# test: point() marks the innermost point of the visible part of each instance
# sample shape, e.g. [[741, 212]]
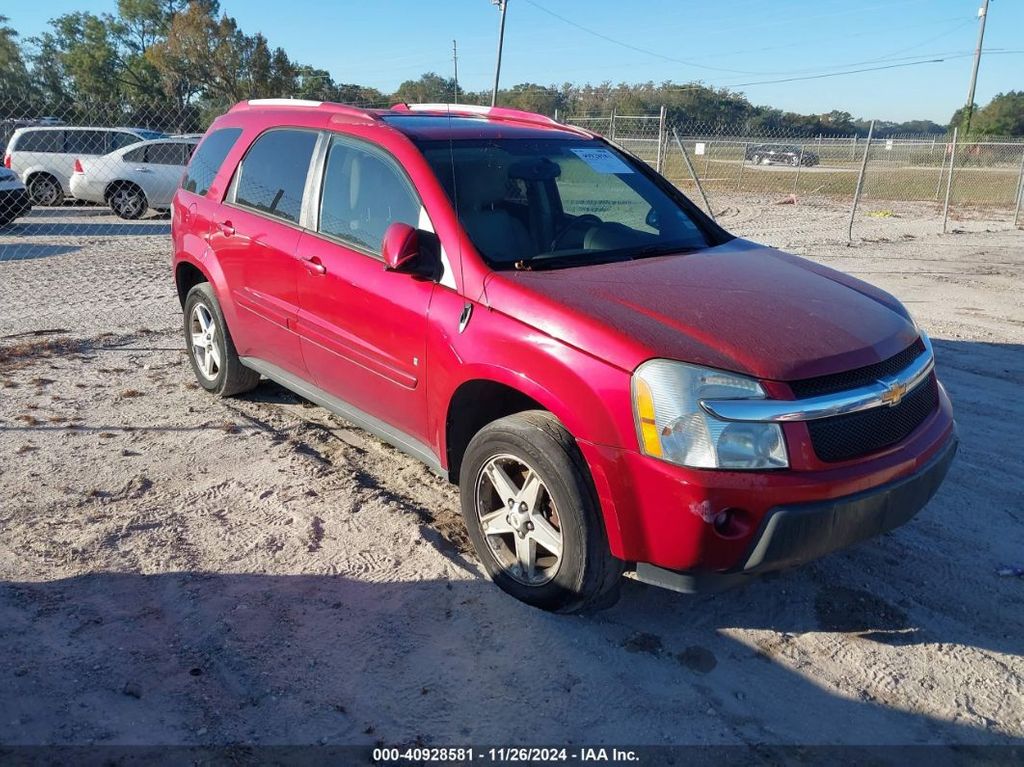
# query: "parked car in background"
[[780, 154], [614, 381], [10, 124], [135, 178], [44, 156], [14, 199]]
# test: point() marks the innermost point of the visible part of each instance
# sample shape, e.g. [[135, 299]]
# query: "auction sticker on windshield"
[[602, 160]]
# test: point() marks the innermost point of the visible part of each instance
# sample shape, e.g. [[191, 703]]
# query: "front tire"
[[211, 351], [531, 512]]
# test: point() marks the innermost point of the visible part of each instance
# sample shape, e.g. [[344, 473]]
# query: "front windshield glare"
[[528, 203]]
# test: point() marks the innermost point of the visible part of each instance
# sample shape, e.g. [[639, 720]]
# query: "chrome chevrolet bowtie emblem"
[[893, 393]]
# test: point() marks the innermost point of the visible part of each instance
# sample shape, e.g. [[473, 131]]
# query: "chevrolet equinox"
[[614, 381]]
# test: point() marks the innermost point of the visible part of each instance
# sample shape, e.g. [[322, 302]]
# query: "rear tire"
[[524, 481], [127, 201], [211, 351], [45, 190]]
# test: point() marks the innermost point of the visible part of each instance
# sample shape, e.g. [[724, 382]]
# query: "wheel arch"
[[474, 404], [186, 276], [32, 173]]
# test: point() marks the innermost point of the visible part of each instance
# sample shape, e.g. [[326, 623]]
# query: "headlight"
[[671, 424]]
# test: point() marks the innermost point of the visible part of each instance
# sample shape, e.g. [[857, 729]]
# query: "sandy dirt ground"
[[176, 569]]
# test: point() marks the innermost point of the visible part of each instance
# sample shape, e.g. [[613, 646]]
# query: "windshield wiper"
[[543, 261], [539, 263], [651, 251]]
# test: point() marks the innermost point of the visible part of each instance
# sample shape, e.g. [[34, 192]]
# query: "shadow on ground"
[[31, 228], [217, 657], [26, 251]]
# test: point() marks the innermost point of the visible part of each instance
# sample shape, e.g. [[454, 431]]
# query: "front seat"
[[495, 232]]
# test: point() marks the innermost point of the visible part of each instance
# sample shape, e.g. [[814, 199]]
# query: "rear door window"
[[165, 154], [272, 176], [48, 141], [208, 158]]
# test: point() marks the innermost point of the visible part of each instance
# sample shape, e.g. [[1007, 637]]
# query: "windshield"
[[543, 203]]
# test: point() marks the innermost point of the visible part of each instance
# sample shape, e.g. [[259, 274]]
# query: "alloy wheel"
[[126, 202], [205, 346], [44, 191], [519, 520]]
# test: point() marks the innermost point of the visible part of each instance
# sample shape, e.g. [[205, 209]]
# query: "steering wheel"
[[587, 218]]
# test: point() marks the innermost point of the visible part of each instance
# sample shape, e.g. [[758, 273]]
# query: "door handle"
[[226, 228], [314, 265], [143, 170]]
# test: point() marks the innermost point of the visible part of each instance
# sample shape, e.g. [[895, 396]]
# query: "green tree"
[[532, 98], [15, 85], [1002, 116], [430, 88]]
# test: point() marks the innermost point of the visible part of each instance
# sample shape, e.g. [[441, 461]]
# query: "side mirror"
[[401, 247]]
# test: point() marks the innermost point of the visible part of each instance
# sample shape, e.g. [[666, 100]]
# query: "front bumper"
[[793, 534]]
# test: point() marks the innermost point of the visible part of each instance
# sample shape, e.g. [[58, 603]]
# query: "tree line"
[[175, 64]]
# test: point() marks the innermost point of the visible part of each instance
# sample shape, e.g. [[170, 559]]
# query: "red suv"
[[615, 382]]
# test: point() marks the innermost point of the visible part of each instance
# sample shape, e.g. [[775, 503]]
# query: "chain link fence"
[[856, 186], [93, 187]]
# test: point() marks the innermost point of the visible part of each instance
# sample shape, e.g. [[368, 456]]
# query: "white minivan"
[[44, 156]]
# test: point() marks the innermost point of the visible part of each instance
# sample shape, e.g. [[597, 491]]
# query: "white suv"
[[45, 157]]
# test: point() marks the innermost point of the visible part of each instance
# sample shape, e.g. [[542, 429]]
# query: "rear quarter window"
[[47, 141], [272, 176], [208, 158]]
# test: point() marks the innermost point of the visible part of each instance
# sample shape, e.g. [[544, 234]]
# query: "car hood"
[[738, 306]]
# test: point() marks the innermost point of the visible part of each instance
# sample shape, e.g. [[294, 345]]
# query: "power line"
[[636, 48], [687, 62], [839, 74], [947, 57]]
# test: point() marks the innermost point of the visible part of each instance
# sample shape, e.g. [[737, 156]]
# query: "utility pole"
[[502, 6], [455, 59], [982, 16]]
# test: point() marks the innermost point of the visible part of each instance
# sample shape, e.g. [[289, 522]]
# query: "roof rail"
[[326, 106], [498, 113]]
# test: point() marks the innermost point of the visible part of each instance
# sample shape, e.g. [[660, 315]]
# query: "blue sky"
[[734, 43]]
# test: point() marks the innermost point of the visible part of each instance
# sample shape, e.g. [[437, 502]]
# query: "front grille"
[[843, 437], [852, 379]]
